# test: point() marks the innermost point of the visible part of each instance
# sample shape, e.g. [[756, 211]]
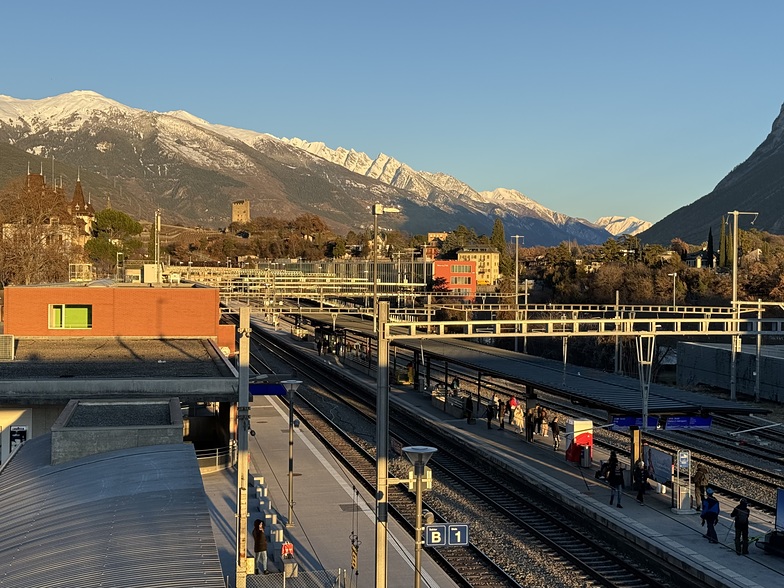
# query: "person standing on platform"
[[512, 408], [615, 479], [519, 417], [710, 515], [490, 413], [556, 433], [640, 477], [501, 414], [700, 480], [469, 409], [545, 422], [741, 515], [539, 417], [260, 545], [529, 424]]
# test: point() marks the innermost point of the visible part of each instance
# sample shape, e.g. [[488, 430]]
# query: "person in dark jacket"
[[469, 409], [615, 479], [490, 413], [710, 515], [556, 428], [501, 413], [741, 515], [640, 477], [260, 545]]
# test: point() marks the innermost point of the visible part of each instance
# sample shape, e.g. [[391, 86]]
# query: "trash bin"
[[585, 456]]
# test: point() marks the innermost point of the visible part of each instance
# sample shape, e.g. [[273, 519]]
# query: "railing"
[[214, 460]]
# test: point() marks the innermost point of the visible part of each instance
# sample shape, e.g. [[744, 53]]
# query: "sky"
[[589, 108]]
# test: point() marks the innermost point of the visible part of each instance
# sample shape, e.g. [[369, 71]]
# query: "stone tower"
[[240, 211]]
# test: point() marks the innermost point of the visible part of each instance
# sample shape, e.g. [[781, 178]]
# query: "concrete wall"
[[72, 442], [709, 365]]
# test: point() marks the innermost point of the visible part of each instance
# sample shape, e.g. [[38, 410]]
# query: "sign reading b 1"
[[446, 534]]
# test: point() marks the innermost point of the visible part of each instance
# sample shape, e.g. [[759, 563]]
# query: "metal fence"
[[315, 579], [213, 460]]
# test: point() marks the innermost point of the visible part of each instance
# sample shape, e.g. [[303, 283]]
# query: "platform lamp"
[[291, 387], [674, 275], [378, 209], [418, 455], [736, 341]]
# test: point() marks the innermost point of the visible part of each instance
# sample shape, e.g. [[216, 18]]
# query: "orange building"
[[460, 276], [116, 310]]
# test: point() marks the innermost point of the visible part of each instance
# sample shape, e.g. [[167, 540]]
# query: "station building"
[[113, 341]]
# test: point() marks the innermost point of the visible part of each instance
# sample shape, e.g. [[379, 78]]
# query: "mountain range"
[[138, 161], [754, 186]]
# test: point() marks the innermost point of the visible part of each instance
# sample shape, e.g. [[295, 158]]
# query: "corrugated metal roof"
[[616, 394], [129, 518]]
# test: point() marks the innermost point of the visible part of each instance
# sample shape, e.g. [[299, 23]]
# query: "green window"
[[70, 316]]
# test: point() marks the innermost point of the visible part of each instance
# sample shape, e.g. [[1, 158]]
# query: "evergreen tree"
[[709, 250]]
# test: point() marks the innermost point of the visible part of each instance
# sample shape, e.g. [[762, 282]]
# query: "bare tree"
[[36, 232]]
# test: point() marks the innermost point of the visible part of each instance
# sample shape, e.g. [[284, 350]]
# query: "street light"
[[117, 265], [378, 209], [674, 275], [517, 285], [735, 309], [291, 387], [418, 455]]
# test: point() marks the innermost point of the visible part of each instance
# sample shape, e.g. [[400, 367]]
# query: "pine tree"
[[709, 250]]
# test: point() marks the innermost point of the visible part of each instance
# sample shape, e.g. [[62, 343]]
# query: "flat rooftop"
[[52, 370]]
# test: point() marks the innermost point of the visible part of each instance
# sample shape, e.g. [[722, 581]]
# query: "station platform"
[[329, 508], [323, 493]]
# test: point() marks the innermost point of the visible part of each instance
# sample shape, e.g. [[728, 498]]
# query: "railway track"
[[496, 499]]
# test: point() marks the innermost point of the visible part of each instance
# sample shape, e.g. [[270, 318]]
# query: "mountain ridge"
[[194, 169]]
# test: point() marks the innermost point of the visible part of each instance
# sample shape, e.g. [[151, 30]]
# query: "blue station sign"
[[265, 389], [675, 423]]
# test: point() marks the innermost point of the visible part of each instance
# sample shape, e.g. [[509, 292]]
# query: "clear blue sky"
[[590, 108]]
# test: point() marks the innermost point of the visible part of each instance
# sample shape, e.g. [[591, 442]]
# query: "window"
[[460, 280], [461, 269], [70, 316]]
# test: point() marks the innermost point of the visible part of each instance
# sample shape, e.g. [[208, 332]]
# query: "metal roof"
[[613, 393], [133, 518]]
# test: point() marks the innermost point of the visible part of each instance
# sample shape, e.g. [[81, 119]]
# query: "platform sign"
[[435, 535], [446, 534], [624, 422], [675, 423], [263, 389], [684, 458], [457, 535]]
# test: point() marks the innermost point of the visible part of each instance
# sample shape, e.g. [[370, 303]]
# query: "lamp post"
[[291, 387], [378, 209], [118, 256], [517, 286], [243, 426], [736, 342], [418, 455], [674, 275]]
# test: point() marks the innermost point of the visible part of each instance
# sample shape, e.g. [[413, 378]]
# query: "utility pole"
[[517, 292], [243, 426], [382, 445], [736, 340]]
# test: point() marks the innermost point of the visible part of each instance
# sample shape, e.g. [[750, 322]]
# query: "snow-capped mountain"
[[622, 225], [193, 169]]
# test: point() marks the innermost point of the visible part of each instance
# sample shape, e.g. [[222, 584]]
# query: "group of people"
[[709, 506], [533, 421]]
